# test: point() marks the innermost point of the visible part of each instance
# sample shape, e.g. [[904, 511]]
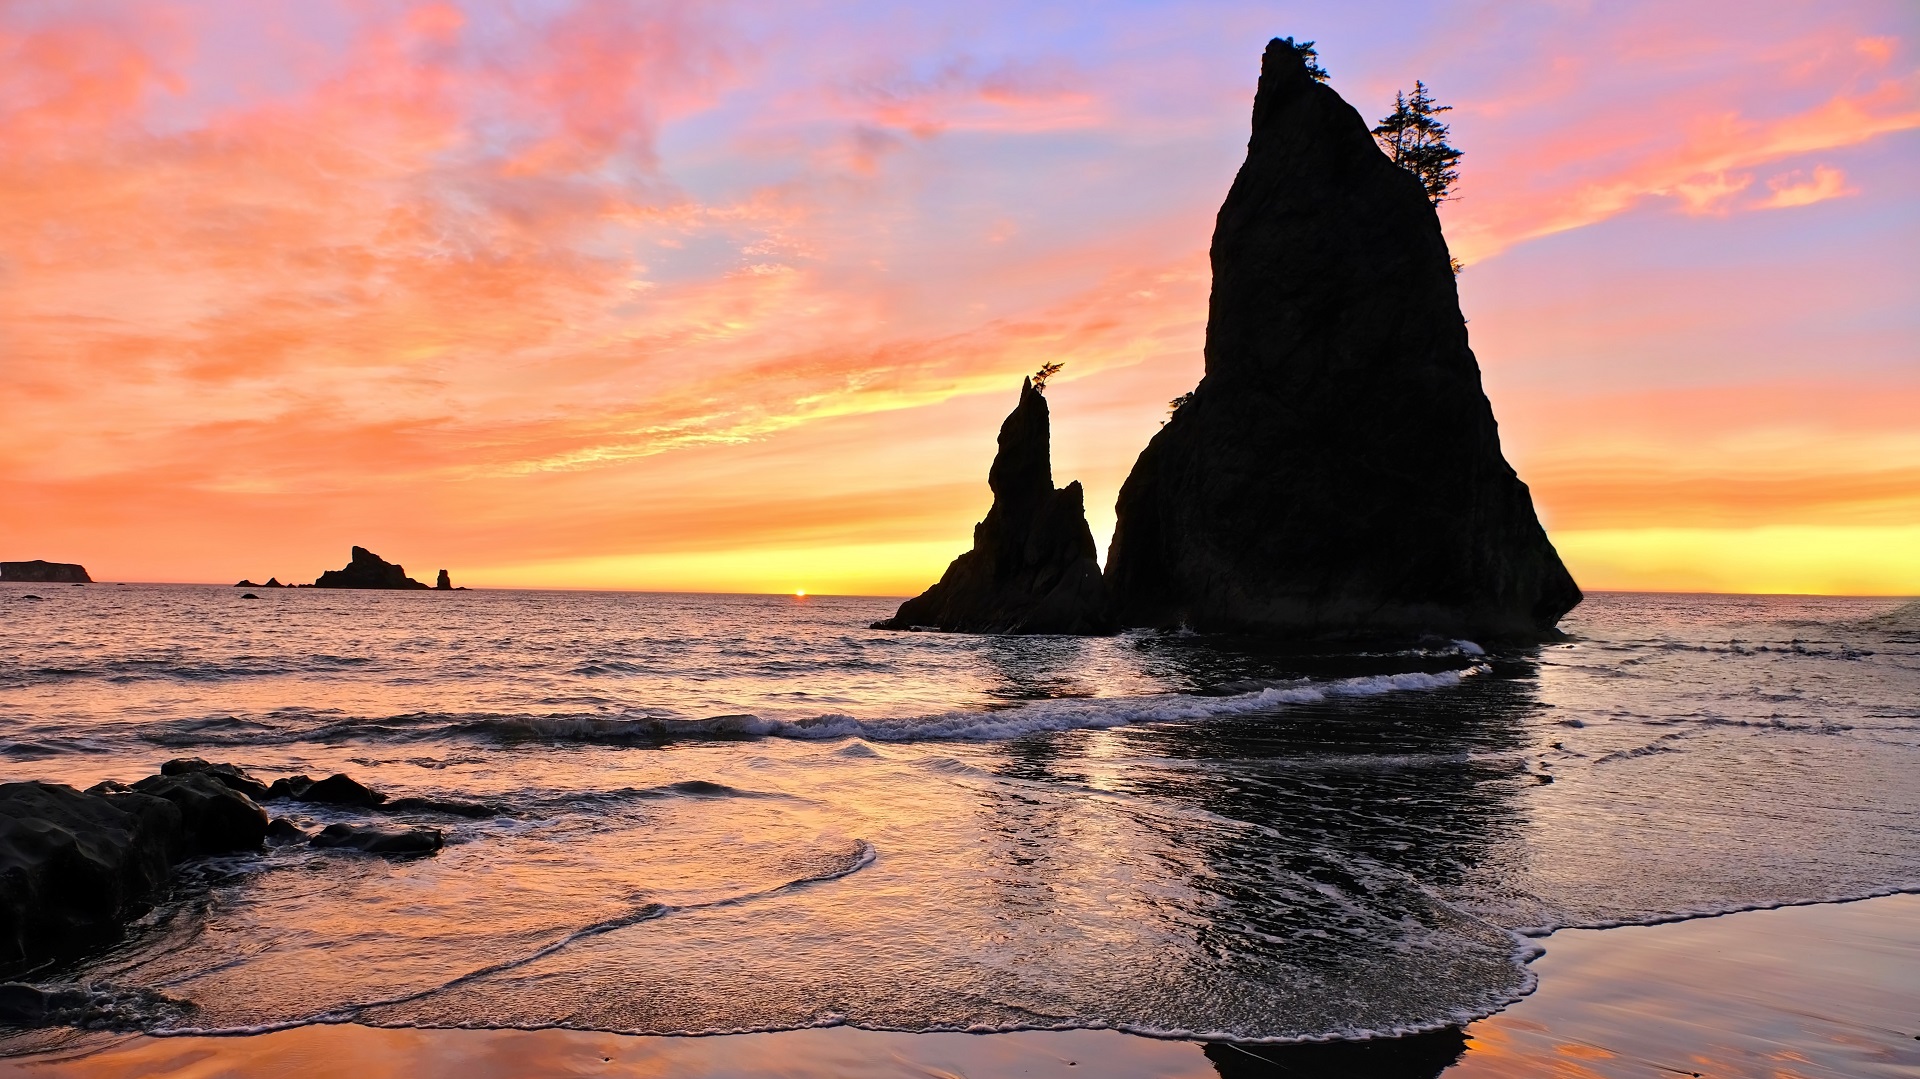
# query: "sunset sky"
[[733, 296]]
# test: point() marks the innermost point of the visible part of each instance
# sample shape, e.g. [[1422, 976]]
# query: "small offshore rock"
[[445, 583], [248, 595], [379, 841], [449, 806], [341, 789], [288, 787], [216, 818], [232, 775], [245, 583]]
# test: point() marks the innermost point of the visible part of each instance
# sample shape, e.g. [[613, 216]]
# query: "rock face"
[[367, 570], [1338, 470], [1033, 567], [40, 571]]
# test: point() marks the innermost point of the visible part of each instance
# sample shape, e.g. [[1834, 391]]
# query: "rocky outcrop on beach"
[[40, 571], [1033, 566], [75, 866], [214, 818], [1337, 471], [367, 570]]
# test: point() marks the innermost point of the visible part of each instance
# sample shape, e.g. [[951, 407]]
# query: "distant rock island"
[[40, 571], [1033, 567], [1337, 472], [368, 570], [364, 569]]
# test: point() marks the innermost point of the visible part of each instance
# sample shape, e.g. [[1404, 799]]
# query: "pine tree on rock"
[[1415, 139]]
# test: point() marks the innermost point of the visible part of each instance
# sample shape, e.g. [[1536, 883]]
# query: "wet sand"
[[1795, 993]]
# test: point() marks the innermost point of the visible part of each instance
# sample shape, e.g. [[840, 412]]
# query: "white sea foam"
[[1067, 714]]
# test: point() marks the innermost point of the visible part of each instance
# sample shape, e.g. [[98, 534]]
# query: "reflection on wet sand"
[[1801, 992]]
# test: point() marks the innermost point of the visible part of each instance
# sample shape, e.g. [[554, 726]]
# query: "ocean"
[[720, 813]]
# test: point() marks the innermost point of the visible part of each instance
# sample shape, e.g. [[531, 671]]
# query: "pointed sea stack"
[[367, 570], [1337, 472], [1033, 567]]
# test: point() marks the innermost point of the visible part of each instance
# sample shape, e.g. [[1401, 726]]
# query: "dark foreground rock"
[[77, 865], [231, 775], [88, 1007], [41, 571], [214, 818], [74, 866], [1337, 471], [1033, 566], [379, 840], [368, 570]]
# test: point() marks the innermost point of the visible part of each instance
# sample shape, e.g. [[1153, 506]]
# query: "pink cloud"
[[1704, 173]]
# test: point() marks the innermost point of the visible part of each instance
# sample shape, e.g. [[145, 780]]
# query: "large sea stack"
[[367, 570], [1337, 472], [1033, 567]]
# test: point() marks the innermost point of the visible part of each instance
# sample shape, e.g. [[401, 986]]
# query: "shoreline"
[[1805, 985]]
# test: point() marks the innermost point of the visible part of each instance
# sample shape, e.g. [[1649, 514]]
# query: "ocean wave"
[[998, 724], [821, 868], [1032, 717]]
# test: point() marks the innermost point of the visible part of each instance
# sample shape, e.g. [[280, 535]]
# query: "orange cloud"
[[1789, 190]]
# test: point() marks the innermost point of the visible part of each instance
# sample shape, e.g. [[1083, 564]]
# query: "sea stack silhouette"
[[1337, 472], [367, 570], [1033, 567]]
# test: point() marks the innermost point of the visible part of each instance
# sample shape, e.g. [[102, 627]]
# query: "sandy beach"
[[1793, 993]]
